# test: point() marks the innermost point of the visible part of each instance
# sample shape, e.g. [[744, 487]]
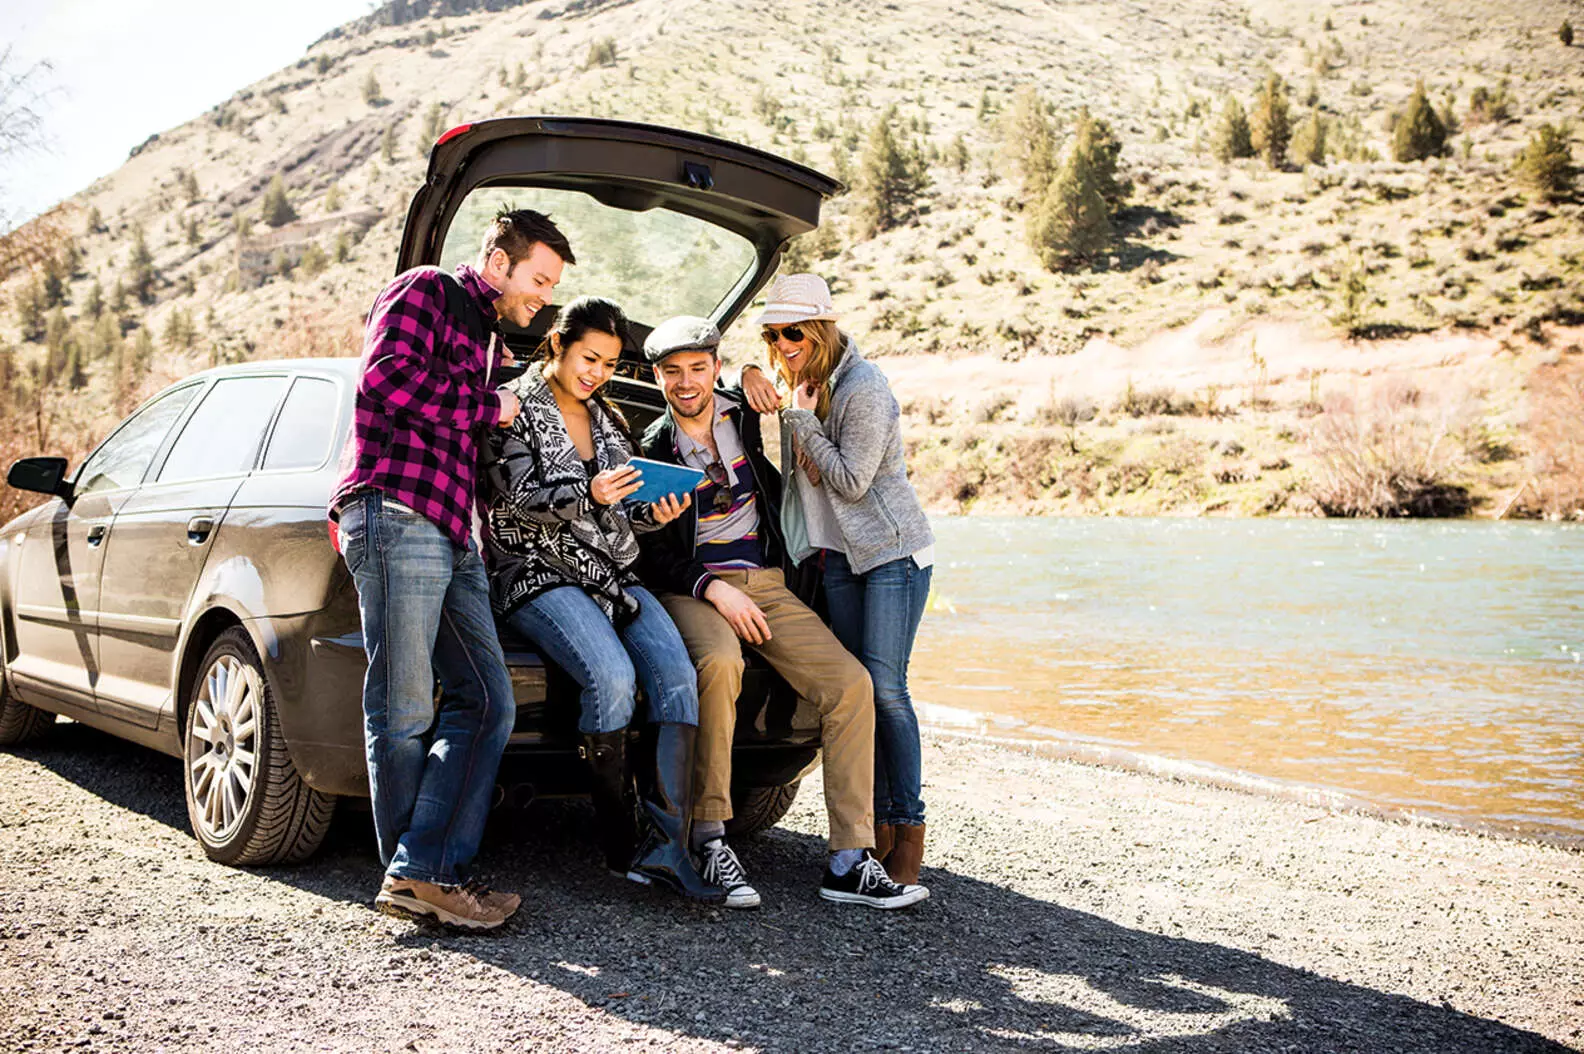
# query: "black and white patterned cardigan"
[[545, 530]]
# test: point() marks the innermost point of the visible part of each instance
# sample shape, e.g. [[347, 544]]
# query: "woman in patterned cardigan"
[[561, 551]]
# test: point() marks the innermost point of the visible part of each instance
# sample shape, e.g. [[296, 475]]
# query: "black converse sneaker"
[[868, 883], [719, 866]]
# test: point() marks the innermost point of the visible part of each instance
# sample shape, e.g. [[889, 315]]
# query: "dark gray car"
[[179, 589]]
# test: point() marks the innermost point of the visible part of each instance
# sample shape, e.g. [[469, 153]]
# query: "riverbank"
[[1074, 908]]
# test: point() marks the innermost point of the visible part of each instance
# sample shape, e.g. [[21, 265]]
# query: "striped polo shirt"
[[728, 537]]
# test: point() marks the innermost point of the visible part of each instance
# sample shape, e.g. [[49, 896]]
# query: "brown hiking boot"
[[907, 855], [450, 905], [885, 840], [506, 902]]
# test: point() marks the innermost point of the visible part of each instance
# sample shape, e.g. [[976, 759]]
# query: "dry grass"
[[1387, 454], [1556, 437]]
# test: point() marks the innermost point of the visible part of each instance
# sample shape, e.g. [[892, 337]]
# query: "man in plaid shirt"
[[406, 507]]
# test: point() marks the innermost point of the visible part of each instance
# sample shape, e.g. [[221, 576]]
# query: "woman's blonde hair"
[[825, 351]]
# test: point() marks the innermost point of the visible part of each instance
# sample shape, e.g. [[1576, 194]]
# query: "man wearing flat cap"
[[718, 570]]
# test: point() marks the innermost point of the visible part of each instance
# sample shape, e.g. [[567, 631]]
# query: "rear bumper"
[[316, 673]]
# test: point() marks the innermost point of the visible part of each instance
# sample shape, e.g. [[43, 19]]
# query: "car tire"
[[246, 802], [756, 809], [20, 723]]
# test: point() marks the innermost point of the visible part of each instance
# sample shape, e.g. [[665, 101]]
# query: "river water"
[[1415, 667]]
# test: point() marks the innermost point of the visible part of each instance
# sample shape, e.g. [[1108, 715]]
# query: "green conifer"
[[1270, 128], [1419, 132], [1232, 138], [1546, 163], [277, 208], [1069, 225]]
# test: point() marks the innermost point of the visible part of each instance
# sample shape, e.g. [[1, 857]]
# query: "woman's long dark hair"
[[584, 315]]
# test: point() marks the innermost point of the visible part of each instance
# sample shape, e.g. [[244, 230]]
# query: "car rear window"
[[653, 264], [222, 436], [306, 426]]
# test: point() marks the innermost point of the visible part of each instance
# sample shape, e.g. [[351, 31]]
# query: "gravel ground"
[[1074, 908]]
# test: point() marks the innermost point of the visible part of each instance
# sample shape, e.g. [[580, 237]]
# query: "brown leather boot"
[[885, 838], [907, 854]]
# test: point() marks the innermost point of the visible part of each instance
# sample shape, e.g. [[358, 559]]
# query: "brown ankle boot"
[[907, 854], [885, 838]]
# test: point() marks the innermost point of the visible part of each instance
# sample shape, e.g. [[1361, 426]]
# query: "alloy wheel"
[[223, 749]]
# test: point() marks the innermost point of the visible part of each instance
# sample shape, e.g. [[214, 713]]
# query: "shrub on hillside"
[[889, 179], [1565, 34], [1270, 127], [601, 52], [1071, 223], [1556, 405], [1232, 136], [371, 90], [277, 208], [1546, 163], [1309, 141], [1420, 132], [1391, 454], [1486, 106], [140, 276]]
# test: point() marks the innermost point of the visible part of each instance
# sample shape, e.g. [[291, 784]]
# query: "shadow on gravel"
[[978, 967]]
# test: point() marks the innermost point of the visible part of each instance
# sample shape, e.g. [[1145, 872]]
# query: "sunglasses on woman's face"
[[716, 474], [794, 334]]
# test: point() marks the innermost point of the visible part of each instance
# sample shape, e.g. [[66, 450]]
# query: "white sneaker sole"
[[749, 899], [405, 906], [910, 896]]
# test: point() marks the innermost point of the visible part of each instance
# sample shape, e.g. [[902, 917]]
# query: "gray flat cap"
[[683, 333]]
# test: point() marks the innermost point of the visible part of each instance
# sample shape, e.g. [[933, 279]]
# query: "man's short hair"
[[517, 231]]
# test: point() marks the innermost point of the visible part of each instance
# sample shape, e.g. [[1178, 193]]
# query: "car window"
[[654, 264], [222, 436], [125, 456], [306, 426]]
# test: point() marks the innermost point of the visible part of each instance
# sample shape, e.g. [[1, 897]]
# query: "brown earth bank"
[[1073, 908]]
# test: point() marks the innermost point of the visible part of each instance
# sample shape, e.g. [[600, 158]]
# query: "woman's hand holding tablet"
[[658, 480]]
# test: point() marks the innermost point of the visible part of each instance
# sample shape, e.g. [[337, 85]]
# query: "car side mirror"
[[46, 475]]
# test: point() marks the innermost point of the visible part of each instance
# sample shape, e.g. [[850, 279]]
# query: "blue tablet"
[[659, 479]]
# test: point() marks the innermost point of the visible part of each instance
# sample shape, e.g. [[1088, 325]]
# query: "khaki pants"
[[805, 652]]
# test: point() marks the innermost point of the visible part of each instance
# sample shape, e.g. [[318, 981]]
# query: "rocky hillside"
[[1251, 339]]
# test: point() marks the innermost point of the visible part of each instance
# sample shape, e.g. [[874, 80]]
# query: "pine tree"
[[433, 126], [73, 370], [143, 348], [276, 209], [29, 304], [190, 230], [332, 198], [104, 339], [1030, 141], [140, 269], [1546, 164], [1309, 141], [1565, 34], [959, 154], [1095, 139], [371, 90], [887, 182], [1232, 137], [57, 335], [1419, 133], [388, 144], [1270, 127], [1069, 224], [93, 303]]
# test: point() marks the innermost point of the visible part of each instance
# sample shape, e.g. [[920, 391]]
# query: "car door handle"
[[96, 534], [198, 529]]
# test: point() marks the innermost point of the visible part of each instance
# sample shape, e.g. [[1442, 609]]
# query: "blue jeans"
[[426, 616], [573, 632], [876, 616]]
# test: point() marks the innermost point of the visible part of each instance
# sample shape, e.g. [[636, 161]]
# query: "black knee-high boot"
[[610, 784], [666, 795]]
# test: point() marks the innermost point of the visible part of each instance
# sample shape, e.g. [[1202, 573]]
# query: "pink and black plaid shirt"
[[422, 395]]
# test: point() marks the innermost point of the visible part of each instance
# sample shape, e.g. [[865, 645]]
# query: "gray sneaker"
[[719, 866], [450, 905]]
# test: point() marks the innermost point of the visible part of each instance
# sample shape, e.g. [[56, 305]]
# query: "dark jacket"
[[668, 562]]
